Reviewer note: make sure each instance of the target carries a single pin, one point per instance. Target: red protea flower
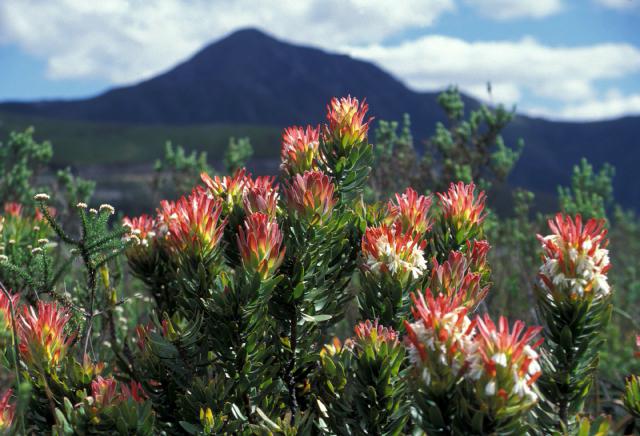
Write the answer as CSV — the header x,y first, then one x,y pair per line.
x,y
142,229
575,258
411,211
133,391
195,225
260,245
462,208
504,365
42,336
476,253
13,209
387,250
299,152
439,339
376,334
346,122
311,196
261,196
108,392
455,278
5,311
229,189
7,411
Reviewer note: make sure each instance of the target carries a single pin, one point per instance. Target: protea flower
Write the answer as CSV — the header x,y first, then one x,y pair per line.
x,y
455,278
311,196
42,336
476,253
261,196
108,392
229,189
387,250
299,152
7,411
575,258
347,127
463,210
504,365
260,245
142,229
438,340
411,211
375,334
13,209
195,225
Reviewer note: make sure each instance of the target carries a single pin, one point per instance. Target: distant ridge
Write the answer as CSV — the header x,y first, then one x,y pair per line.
x,y
250,77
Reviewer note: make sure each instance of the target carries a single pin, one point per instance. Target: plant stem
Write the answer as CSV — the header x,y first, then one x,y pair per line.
x,y
91,284
291,380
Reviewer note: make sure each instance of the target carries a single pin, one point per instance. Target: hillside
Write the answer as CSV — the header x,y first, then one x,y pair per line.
x,y
250,78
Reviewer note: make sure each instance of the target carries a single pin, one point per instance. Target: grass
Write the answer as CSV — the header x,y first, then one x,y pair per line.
x,y
82,142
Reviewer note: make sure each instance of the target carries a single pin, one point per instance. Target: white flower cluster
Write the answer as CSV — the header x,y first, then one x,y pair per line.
x,y
438,349
589,269
390,257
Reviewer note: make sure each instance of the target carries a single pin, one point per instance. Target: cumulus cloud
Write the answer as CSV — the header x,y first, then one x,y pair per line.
x,y
511,9
613,105
567,75
128,40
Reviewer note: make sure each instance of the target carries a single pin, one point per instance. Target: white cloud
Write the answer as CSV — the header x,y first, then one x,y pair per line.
x,y
564,75
128,40
621,5
613,105
512,9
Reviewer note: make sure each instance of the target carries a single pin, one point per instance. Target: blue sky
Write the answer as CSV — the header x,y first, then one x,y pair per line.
x,y
562,59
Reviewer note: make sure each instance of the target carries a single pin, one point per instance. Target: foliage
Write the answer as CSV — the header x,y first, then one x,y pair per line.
x,y
238,153
178,171
590,193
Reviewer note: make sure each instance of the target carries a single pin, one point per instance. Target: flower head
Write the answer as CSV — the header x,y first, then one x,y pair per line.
x,y
229,189
142,227
261,196
411,211
13,209
387,250
108,392
311,196
462,208
439,339
376,334
455,278
42,336
504,364
260,244
347,126
299,152
575,258
195,225
7,411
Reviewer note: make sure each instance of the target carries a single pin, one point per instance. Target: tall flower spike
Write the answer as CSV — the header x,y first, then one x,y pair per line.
x,y
261,196
463,209
411,211
504,364
347,126
7,411
299,152
42,336
229,189
438,340
311,196
387,250
195,226
575,258
260,245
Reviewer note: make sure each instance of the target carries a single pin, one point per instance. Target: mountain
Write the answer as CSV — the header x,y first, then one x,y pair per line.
x,y
252,78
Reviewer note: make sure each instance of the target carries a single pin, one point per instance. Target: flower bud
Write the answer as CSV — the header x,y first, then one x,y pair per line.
x,y
42,336
299,152
347,127
261,196
311,197
462,210
7,412
260,245
410,211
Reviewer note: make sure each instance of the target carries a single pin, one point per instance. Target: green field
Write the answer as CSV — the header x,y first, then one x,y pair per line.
x,y
81,142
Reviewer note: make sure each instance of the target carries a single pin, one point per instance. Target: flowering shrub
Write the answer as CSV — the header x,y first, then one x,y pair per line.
x,y
243,281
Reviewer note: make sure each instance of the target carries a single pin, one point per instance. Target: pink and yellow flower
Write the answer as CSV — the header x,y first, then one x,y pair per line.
x,y
411,211
195,225
376,334
347,126
229,189
311,196
260,245
462,208
42,336
575,258
299,152
439,339
387,250
261,196
7,411
504,364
